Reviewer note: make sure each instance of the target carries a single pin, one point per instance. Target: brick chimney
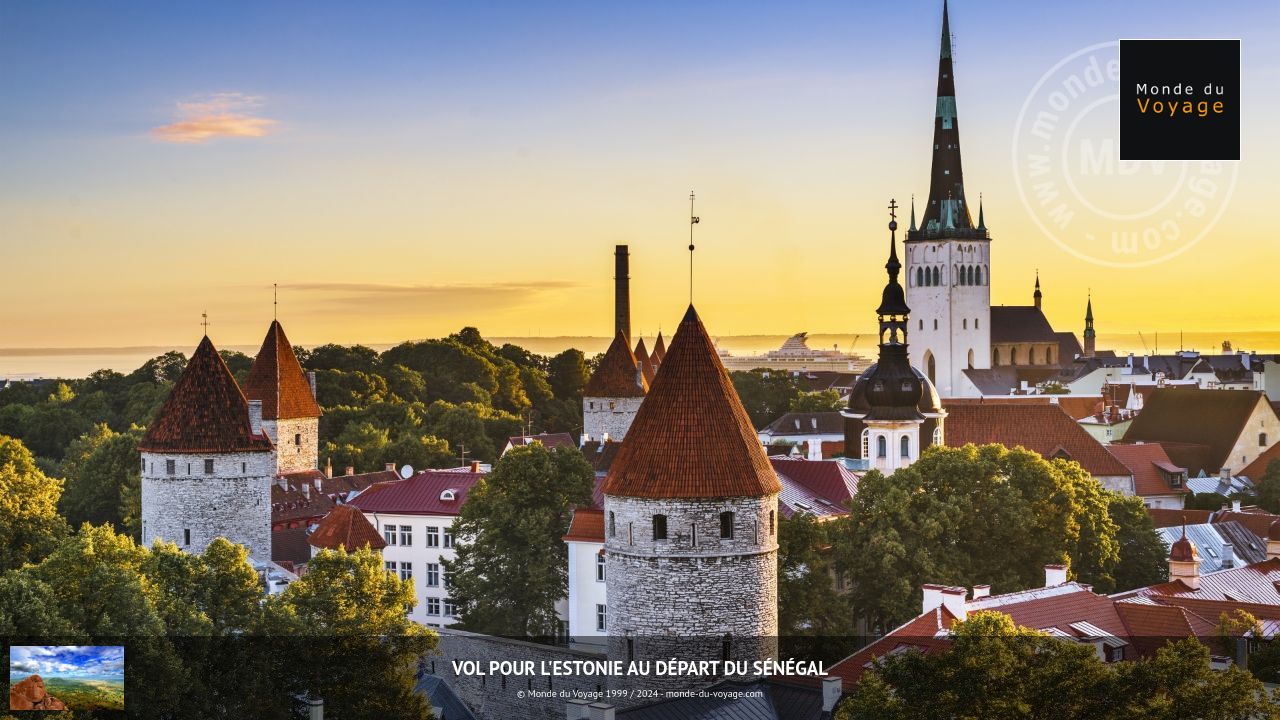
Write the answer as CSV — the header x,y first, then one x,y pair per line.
x,y
255,417
475,466
981,591
349,470
622,292
1054,575
328,467
832,687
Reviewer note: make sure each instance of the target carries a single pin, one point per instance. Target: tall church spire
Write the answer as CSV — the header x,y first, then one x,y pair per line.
x,y
1037,294
1090,336
946,207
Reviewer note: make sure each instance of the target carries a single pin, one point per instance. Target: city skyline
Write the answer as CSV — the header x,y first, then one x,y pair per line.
x,y
402,172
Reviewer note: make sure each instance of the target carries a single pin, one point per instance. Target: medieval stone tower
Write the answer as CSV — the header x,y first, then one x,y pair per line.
x,y
948,259
615,390
290,414
894,412
691,521
207,463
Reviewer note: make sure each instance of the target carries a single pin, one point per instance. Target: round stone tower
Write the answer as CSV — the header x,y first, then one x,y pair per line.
x,y
691,520
290,414
207,463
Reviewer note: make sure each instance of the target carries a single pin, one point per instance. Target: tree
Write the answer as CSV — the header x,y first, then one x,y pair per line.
x,y
823,401
28,608
1143,556
511,565
420,451
30,526
103,479
567,373
361,445
1179,683
807,600
971,515
766,394
1268,488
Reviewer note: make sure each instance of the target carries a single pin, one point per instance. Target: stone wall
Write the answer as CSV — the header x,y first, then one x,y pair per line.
x,y
609,415
233,502
297,442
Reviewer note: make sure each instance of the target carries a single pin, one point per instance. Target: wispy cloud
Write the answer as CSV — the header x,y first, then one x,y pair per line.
x,y
229,114
66,660
361,297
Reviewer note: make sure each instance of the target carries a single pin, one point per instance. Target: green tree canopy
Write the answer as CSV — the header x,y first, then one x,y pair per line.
x,y
823,401
103,479
30,526
765,394
807,600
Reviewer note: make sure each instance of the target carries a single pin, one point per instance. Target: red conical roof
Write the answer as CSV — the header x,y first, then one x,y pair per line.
x,y
348,528
644,361
691,438
276,379
659,350
205,412
616,375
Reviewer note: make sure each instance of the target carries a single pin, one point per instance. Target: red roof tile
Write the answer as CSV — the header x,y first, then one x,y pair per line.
x,y
1254,584
421,494
1256,469
1046,429
1151,625
346,527
587,526
691,438
659,350
644,361
617,375
1146,460
296,498
276,379
205,412
829,479
920,633
1173,517
1211,418
1077,406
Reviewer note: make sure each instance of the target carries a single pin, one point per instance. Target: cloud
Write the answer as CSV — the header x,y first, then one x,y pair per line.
x,y
219,115
67,660
363,297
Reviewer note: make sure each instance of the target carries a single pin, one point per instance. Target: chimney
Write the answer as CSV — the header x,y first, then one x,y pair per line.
x,y
1054,575
832,687
1225,473
604,438
932,597
621,293
981,591
1235,505
306,491
1228,556
475,466
600,711
584,439
255,417
952,598
319,485
283,483
311,380
389,467
315,709
328,467
576,709
350,470
1273,540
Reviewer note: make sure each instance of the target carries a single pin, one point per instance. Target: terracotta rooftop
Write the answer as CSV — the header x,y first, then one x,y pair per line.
x,y
645,362
587,526
423,494
691,437
926,633
1046,429
1077,406
205,412
276,379
659,349
824,486
292,503
1258,466
1172,517
346,527
617,375
1149,464
1211,418
290,546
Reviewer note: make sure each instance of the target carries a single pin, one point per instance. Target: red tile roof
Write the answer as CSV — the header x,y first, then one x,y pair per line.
x,y
1256,469
292,504
925,633
645,363
418,495
290,546
1151,625
1253,584
1212,418
587,526
1146,461
829,479
205,412
617,375
659,350
1046,429
346,527
276,379
1173,517
691,438
1077,406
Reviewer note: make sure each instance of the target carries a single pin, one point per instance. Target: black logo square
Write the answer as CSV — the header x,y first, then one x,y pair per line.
x,y
1179,99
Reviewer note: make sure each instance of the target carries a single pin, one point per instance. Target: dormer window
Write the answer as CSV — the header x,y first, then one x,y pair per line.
x,y
448,496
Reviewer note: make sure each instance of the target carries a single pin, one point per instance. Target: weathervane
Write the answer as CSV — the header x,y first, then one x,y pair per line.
x,y
204,322
275,301
693,220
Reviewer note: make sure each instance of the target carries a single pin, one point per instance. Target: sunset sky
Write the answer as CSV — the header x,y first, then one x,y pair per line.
x,y
404,169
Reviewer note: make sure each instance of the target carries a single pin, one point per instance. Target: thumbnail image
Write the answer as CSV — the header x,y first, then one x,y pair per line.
x,y
66,677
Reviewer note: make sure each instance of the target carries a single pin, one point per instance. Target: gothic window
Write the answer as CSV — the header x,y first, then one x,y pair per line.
x,y
970,358
937,276
659,527
973,275
984,278
726,525
955,272
906,447
882,447
208,466
931,368
937,435
995,356
919,276
1013,356
866,443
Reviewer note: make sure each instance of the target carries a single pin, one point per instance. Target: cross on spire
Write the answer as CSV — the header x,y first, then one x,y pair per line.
x,y
275,301
693,220
204,322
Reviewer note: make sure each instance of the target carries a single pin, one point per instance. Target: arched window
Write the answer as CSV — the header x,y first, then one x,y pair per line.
x,y
937,275
957,272
931,368
984,277
970,358
1031,356
1013,356
659,527
1048,356
905,450
975,323
995,356
882,447
919,276
973,275
726,525
937,435
966,323
866,443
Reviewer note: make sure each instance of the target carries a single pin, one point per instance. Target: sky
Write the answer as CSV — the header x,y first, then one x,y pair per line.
x,y
78,661
404,169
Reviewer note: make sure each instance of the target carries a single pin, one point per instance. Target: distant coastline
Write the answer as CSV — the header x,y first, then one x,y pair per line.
x,y
70,362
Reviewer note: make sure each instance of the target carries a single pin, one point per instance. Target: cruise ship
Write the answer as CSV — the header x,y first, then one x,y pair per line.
x,y
795,355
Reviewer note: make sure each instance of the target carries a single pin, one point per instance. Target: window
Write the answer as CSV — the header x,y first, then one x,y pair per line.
x,y
906,447
448,537
208,466
600,567
882,447
937,276
935,323
1262,439
693,535
919,276
297,439
772,513
965,323
631,534
611,404
937,436
144,466
389,534
613,525
171,467
433,537
659,527
921,323
186,536
433,606
1013,356
866,443
444,578
975,323
450,607
390,566
726,525
244,468
600,617
406,571
406,535
433,575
